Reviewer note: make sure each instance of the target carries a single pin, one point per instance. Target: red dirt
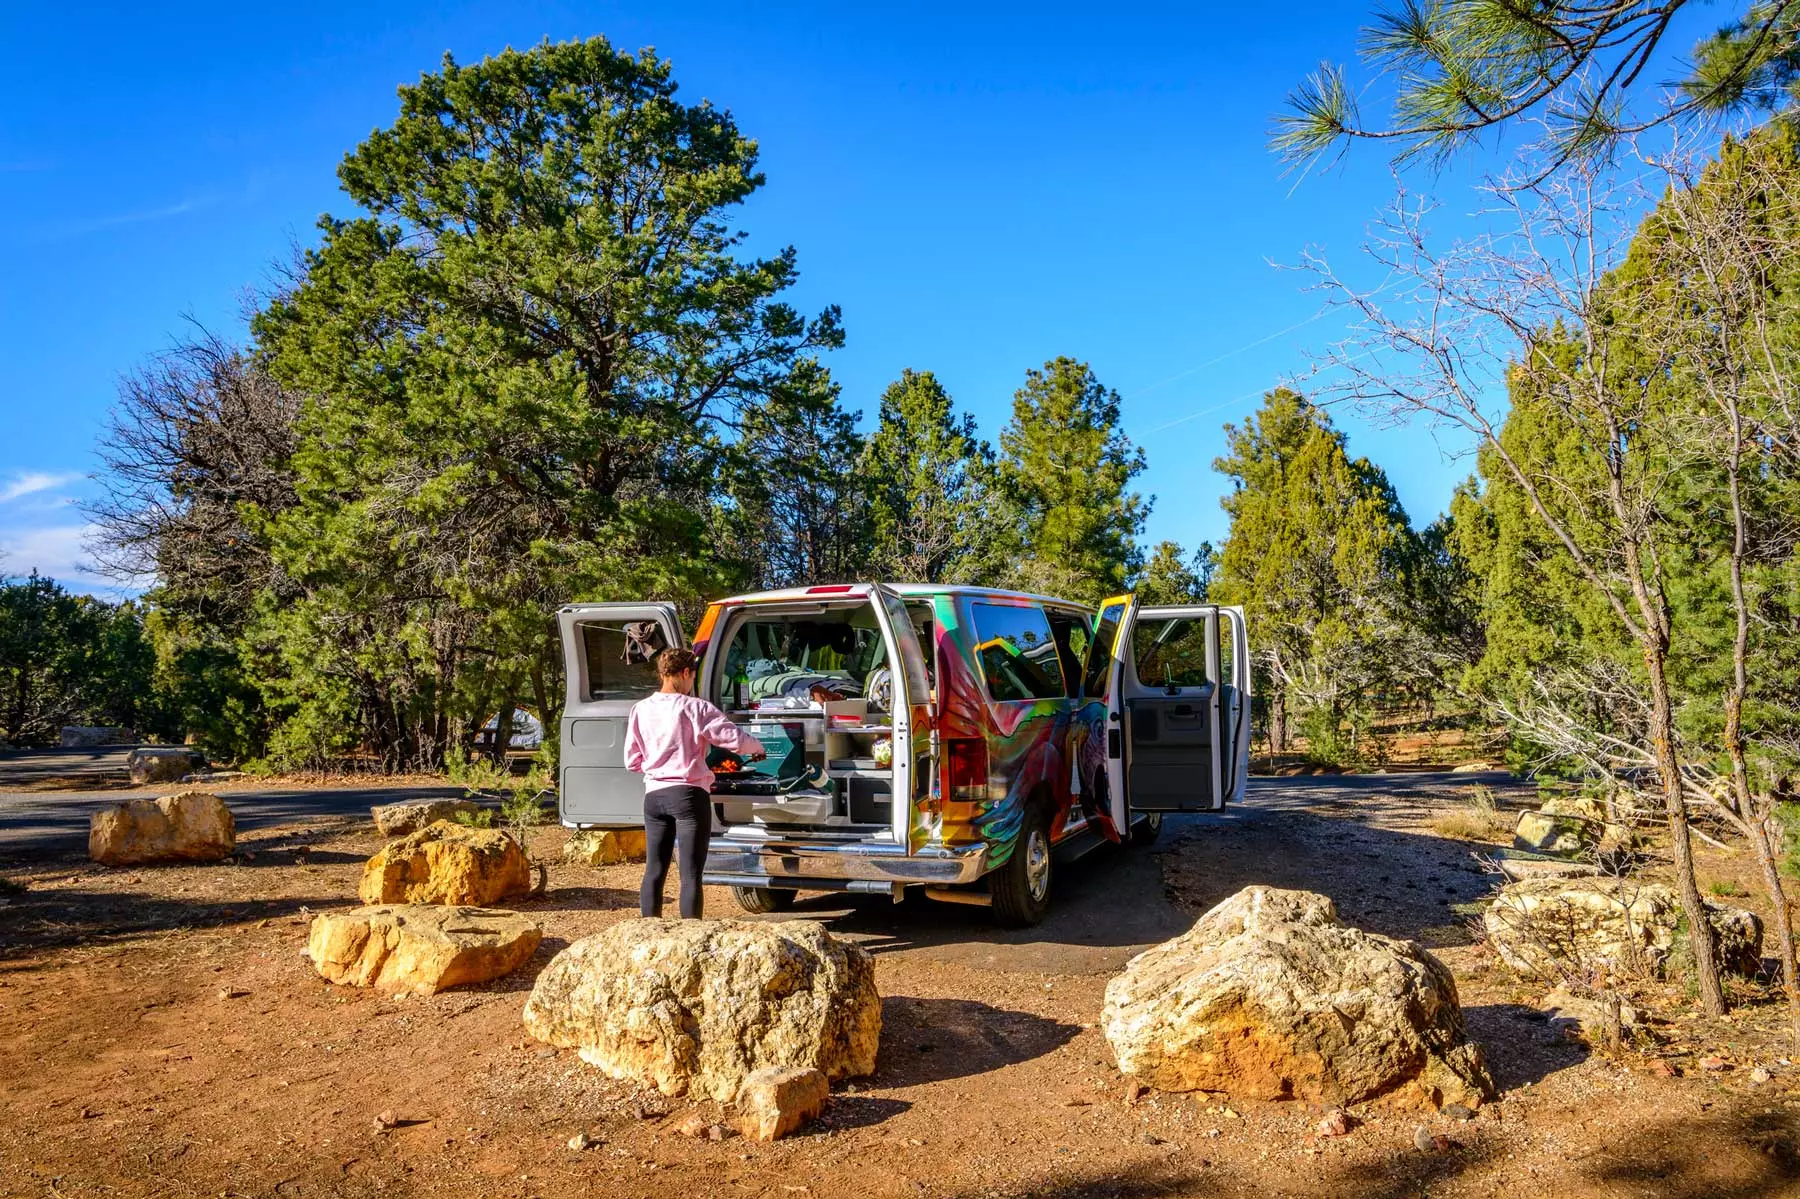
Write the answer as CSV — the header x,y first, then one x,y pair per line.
x,y
161,1034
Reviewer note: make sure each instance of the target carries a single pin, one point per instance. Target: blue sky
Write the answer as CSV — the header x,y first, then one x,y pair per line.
x,y
979,187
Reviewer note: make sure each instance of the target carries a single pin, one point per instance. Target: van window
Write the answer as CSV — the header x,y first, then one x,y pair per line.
x,y
800,659
618,660
1072,638
1017,652
1170,652
1100,653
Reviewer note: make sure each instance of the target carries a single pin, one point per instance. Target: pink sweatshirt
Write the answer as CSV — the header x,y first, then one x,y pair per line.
x,y
667,736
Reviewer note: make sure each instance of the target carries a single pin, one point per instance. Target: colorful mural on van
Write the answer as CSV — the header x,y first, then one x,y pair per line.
x,y
1032,748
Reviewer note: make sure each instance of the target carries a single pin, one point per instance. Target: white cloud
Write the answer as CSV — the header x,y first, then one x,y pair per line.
x,y
33,481
59,552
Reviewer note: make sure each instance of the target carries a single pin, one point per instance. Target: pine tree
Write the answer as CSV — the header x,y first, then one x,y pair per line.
x,y
1066,469
1318,555
1169,578
930,480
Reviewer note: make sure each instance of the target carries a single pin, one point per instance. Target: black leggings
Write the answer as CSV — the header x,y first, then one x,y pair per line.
x,y
675,816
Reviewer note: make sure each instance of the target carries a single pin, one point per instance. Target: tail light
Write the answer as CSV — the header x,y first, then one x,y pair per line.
x,y
965,769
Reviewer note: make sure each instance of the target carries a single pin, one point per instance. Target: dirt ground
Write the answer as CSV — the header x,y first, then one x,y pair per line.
x,y
162,1034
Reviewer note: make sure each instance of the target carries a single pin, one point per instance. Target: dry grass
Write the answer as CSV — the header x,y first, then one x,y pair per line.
x,y
1472,824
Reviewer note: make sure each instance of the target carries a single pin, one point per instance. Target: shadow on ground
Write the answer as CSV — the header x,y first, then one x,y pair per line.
x,y
43,919
931,1040
1726,1156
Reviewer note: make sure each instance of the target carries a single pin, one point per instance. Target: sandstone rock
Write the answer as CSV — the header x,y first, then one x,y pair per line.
x,y
604,846
692,1006
420,949
1553,928
447,863
1585,1014
1561,836
86,736
163,763
772,1102
191,826
1270,996
399,819
1579,807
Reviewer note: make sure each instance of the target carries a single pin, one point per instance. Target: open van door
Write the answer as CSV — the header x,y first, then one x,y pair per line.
x,y
1176,681
607,651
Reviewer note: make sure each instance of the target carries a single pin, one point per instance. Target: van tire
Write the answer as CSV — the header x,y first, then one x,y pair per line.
x,y
1144,832
1021,887
763,900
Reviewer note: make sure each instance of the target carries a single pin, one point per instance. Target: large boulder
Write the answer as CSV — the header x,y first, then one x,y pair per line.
x,y
399,819
1271,996
1555,928
698,1006
163,763
87,736
447,863
192,826
420,949
604,846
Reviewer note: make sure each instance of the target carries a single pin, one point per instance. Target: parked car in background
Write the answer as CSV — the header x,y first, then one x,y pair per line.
x,y
958,739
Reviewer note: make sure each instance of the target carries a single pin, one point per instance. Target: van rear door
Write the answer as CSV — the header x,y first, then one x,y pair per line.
x,y
1176,683
606,659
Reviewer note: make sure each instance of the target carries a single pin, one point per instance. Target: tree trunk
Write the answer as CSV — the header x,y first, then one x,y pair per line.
x,y
1700,930
1751,810
503,727
1278,726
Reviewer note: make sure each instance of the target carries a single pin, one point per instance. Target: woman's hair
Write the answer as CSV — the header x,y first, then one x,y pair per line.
x,y
675,661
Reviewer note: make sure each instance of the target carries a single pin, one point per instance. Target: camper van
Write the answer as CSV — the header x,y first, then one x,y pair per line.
x,y
959,740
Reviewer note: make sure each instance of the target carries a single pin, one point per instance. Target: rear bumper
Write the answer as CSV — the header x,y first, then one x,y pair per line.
x,y
805,864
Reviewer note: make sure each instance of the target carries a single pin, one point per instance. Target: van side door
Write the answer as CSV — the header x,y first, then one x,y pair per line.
x,y
1177,699
606,659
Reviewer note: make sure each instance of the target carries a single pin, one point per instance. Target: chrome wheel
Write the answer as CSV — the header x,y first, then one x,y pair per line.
x,y
1037,864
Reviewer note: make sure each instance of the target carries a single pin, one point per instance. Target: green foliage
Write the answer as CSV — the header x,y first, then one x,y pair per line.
x,y
799,506
1322,559
1064,471
71,659
931,488
525,366
1169,578
1566,68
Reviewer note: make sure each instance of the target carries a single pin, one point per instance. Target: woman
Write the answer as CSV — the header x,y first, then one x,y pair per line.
x,y
666,741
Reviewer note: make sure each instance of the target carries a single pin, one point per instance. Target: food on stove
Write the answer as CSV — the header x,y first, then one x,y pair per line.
x,y
728,764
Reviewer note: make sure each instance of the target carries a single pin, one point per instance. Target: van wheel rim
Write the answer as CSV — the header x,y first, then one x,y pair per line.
x,y
1037,864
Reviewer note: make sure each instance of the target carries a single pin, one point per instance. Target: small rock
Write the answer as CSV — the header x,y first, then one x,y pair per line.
x,y
1714,1064
1211,1132
1334,1123
1459,1111
1150,1138
386,1120
1077,1101
1423,1141
650,1109
715,1132
694,1124
1134,1091
1662,1069
775,1101
232,993
546,1053
1759,1076
582,1140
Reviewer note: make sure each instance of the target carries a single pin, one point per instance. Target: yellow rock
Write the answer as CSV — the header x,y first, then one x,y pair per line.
x,y
420,948
775,1101
604,847
447,863
696,1006
191,826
